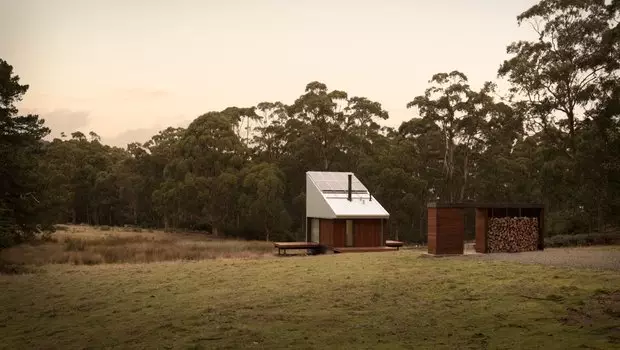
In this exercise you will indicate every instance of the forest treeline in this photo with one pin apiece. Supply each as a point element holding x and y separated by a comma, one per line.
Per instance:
<point>553,138</point>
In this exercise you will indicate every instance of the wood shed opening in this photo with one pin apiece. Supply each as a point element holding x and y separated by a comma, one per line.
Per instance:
<point>511,230</point>
<point>506,227</point>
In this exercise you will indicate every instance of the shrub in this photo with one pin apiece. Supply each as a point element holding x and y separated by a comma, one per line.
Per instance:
<point>583,239</point>
<point>75,245</point>
<point>15,269</point>
<point>48,236</point>
<point>89,258</point>
<point>105,228</point>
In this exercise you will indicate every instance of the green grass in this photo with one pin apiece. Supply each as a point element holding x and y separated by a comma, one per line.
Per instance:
<point>349,301</point>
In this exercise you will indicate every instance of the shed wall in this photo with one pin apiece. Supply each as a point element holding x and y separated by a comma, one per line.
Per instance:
<point>481,230</point>
<point>432,230</point>
<point>450,231</point>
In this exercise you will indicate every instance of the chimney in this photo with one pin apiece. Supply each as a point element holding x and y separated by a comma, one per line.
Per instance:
<point>349,190</point>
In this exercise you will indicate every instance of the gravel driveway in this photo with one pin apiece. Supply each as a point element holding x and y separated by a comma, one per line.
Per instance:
<point>585,257</point>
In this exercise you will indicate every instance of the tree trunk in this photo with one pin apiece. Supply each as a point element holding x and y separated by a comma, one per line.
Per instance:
<point>247,132</point>
<point>571,126</point>
<point>215,231</point>
<point>177,215</point>
<point>600,219</point>
<point>135,214</point>
<point>422,215</point>
<point>465,175</point>
<point>451,169</point>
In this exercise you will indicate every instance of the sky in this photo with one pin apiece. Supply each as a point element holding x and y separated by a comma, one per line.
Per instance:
<point>126,69</point>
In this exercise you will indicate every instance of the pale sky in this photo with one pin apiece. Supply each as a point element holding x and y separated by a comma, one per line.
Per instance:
<point>128,68</point>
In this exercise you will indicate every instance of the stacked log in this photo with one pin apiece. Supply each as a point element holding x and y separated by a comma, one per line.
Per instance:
<point>516,234</point>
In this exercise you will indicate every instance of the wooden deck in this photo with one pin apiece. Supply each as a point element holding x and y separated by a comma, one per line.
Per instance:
<point>318,248</point>
<point>283,246</point>
<point>364,249</point>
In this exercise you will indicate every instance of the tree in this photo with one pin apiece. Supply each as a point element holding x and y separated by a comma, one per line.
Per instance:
<point>21,213</point>
<point>201,177</point>
<point>459,112</point>
<point>264,188</point>
<point>323,127</point>
<point>562,71</point>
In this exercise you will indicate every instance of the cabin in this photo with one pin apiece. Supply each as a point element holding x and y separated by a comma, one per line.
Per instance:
<point>342,213</point>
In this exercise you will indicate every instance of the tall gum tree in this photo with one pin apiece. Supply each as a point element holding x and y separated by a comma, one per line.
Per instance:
<point>21,187</point>
<point>562,70</point>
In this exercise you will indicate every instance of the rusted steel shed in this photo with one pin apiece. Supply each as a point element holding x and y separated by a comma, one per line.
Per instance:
<point>446,228</point>
<point>446,224</point>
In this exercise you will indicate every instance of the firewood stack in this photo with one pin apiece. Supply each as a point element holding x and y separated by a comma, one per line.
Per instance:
<point>511,235</point>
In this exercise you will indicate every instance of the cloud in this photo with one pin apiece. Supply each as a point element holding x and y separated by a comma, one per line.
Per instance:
<point>62,120</point>
<point>140,135</point>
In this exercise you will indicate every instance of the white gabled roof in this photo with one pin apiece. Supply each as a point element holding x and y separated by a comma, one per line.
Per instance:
<point>327,197</point>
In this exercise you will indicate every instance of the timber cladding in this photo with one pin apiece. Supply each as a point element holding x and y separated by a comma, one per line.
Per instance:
<point>367,233</point>
<point>446,230</point>
<point>432,230</point>
<point>332,232</point>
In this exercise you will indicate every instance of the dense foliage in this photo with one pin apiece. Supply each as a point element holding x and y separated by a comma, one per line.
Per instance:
<point>22,210</point>
<point>554,139</point>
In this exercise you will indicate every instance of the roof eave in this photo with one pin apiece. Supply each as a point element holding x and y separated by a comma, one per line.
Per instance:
<point>380,216</point>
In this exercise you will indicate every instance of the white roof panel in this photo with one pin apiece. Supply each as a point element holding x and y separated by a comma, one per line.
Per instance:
<point>327,197</point>
<point>357,208</point>
<point>336,181</point>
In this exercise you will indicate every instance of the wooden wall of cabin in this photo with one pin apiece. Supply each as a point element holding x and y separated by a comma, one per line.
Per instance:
<point>367,233</point>
<point>332,232</point>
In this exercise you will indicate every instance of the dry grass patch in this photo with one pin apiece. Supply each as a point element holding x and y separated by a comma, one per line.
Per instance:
<point>81,245</point>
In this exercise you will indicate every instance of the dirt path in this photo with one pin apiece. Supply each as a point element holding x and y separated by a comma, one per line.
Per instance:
<point>607,258</point>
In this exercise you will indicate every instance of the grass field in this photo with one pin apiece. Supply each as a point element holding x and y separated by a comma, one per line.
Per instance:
<point>396,300</point>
